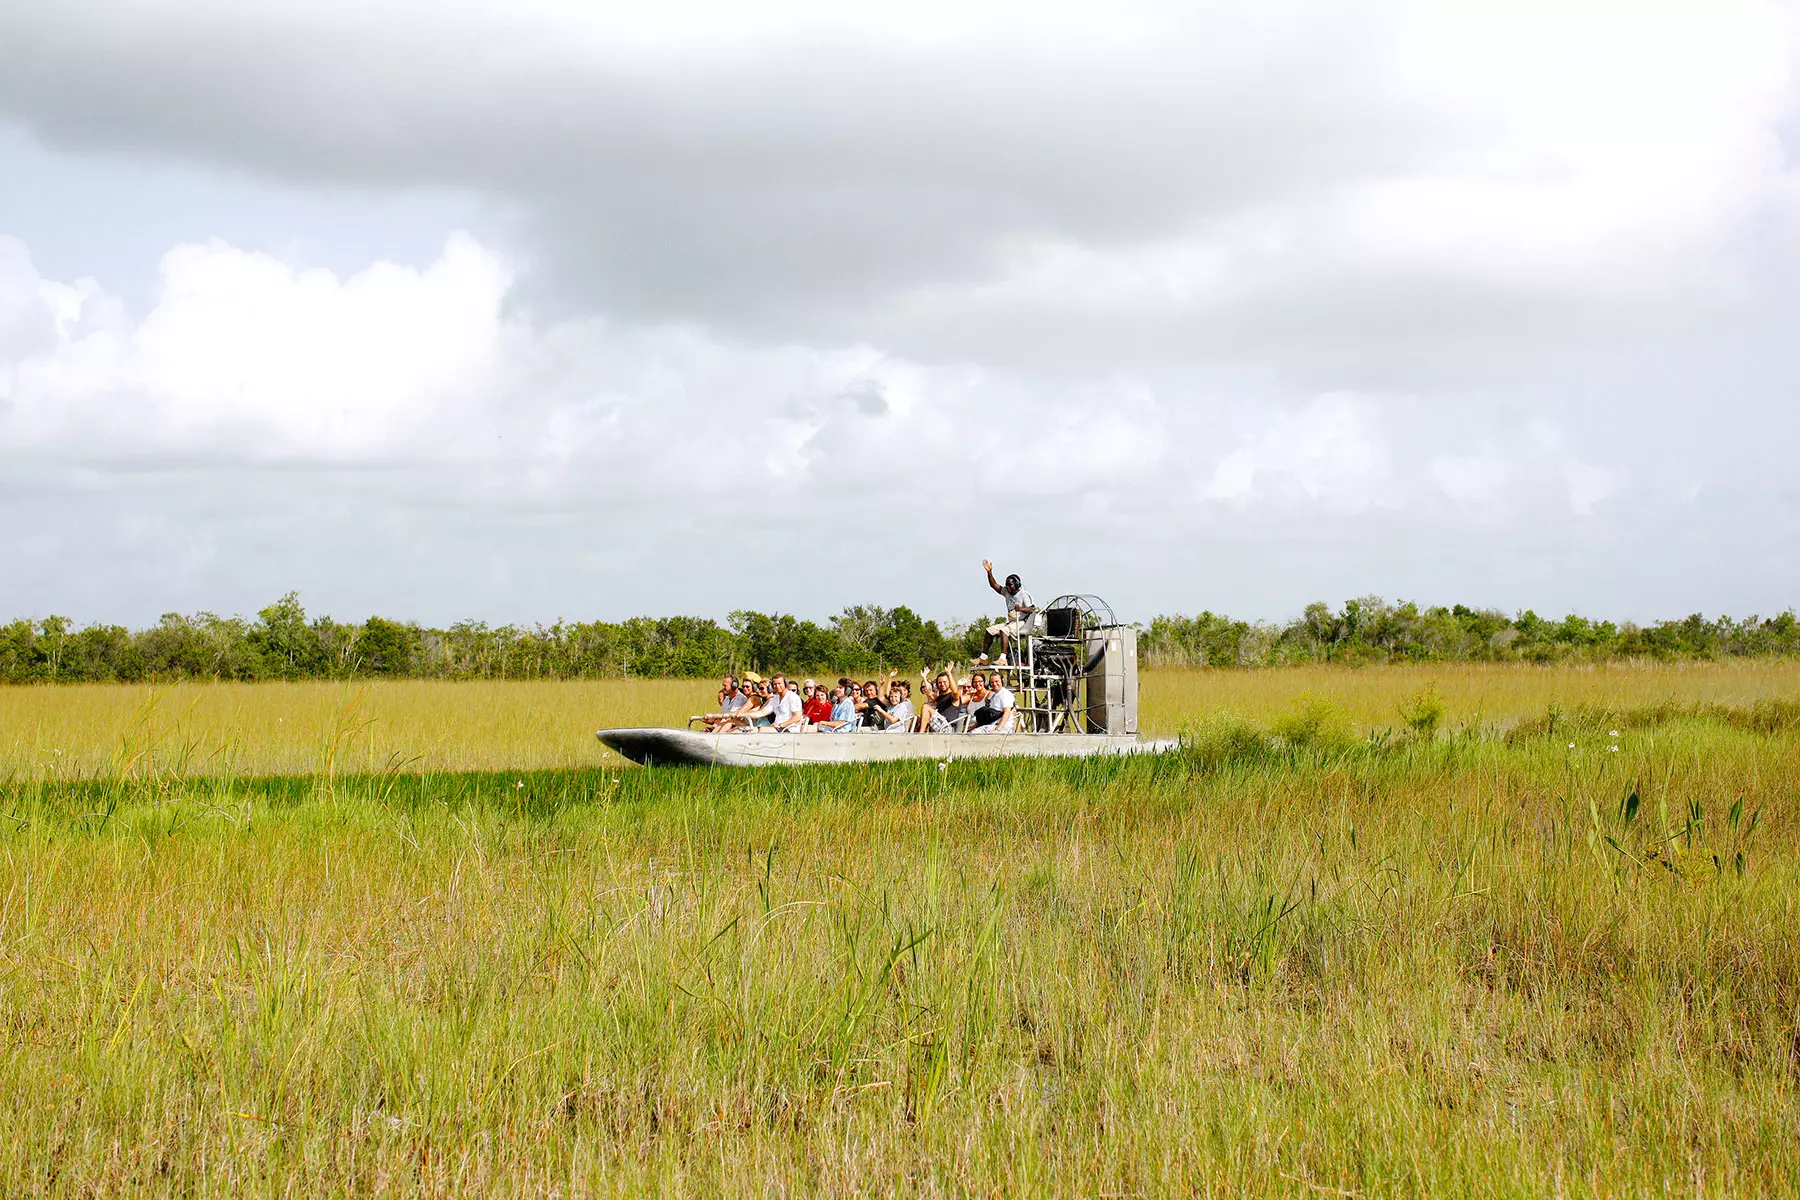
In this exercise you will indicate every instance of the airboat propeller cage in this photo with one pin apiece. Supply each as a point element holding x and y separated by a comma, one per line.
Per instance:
<point>1080,669</point>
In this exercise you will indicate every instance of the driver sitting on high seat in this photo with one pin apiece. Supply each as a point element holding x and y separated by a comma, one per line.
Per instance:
<point>1021,611</point>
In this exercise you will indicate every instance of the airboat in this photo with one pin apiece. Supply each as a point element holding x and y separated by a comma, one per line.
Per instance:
<point>1073,675</point>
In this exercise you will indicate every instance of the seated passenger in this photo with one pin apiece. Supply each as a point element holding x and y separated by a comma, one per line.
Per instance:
<point>843,713</point>
<point>945,712</point>
<point>780,712</point>
<point>732,700</point>
<point>872,707</point>
<point>927,701</point>
<point>975,697</point>
<point>785,712</point>
<point>900,715</point>
<point>999,711</point>
<point>892,711</point>
<point>814,703</point>
<point>749,714</point>
<point>1000,696</point>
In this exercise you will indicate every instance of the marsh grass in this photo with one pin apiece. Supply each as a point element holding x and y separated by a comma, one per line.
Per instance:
<point>376,726</point>
<point>324,728</point>
<point>1323,949</point>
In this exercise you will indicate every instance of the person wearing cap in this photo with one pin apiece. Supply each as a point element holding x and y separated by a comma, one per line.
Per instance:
<point>1021,611</point>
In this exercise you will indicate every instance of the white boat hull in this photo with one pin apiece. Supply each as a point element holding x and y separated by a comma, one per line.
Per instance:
<point>662,747</point>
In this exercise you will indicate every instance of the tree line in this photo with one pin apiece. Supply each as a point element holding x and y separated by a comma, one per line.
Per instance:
<point>1372,630</point>
<point>284,642</point>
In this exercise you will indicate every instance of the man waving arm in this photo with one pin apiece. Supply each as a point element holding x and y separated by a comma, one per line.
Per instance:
<point>988,566</point>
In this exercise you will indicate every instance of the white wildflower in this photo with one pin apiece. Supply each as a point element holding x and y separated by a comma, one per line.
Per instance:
<point>1614,749</point>
<point>1612,733</point>
<point>520,785</point>
<point>1571,745</point>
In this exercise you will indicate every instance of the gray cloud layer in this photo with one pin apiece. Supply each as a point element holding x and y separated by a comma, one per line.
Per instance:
<point>1462,302</point>
<point>767,182</point>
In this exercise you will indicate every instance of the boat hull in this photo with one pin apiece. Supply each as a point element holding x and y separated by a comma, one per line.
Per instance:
<point>685,747</point>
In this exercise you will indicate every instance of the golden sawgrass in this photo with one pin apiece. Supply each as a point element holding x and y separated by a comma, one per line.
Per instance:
<point>284,728</point>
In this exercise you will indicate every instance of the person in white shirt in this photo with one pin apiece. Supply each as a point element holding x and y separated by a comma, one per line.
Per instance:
<point>1021,611</point>
<point>783,707</point>
<point>732,701</point>
<point>999,712</point>
<point>900,714</point>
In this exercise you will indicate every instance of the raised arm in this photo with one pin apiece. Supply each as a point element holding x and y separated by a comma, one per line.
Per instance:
<point>992,582</point>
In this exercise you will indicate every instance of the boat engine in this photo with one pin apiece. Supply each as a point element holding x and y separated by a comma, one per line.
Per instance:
<point>1076,670</point>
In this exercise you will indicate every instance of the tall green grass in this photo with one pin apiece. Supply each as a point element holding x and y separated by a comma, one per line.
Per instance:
<point>1289,959</point>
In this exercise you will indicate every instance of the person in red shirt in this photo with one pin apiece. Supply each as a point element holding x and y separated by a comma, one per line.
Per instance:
<point>815,704</point>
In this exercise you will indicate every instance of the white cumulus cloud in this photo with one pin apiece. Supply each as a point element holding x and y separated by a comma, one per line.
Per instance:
<point>1248,304</point>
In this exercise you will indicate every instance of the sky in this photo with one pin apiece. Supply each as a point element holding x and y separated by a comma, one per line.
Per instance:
<point>553,309</point>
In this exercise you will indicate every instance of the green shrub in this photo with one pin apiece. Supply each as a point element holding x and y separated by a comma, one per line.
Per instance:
<point>1423,713</point>
<point>1225,739</point>
<point>1315,724</point>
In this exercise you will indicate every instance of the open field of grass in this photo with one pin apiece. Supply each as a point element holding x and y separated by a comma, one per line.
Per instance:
<point>1311,964</point>
<point>285,728</point>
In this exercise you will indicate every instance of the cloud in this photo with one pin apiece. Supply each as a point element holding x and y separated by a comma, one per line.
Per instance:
<point>1472,479</point>
<point>260,404</point>
<point>245,352</point>
<point>247,359</point>
<point>989,183</point>
<point>443,405</point>
<point>792,306</point>
<point>1324,451</point>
